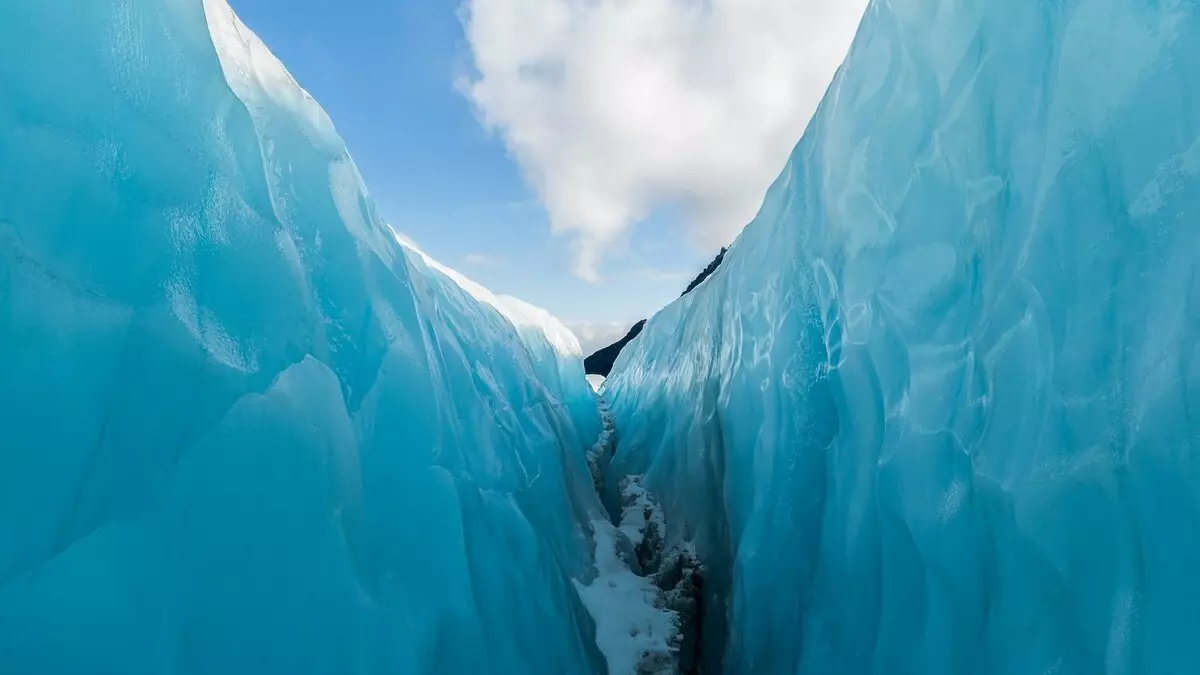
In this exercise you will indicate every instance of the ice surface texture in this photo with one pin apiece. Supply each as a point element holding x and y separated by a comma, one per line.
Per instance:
<point>938,411</point>
<point>242,430</point>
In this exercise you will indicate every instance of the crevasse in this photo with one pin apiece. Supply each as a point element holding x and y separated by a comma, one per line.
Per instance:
<point>932,414</point>
<point>936,411</point>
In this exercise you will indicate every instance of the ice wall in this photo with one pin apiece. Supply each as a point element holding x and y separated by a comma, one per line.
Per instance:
<point>242,430</point>
<point>936,412</point>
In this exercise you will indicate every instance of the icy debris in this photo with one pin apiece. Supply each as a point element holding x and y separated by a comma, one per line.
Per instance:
<point>633,630</point>
<point>680,577</point>
<point>642,521</point>
<point>677,572</point>
<point>602,450</point>
<point>639,585</point>
<point>633,597</point>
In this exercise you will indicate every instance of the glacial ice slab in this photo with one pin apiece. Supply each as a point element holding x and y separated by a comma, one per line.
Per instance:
<point>243,429</point>
<point>937,410</point>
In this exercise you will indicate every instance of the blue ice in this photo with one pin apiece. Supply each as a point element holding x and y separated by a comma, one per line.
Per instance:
<point>937,410</point>
<point>932,415</point>
<point>242,428</point>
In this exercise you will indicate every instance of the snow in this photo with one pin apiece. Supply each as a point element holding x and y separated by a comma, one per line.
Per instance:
<point>520,313</point>
<point>639,512</point>
<point>597,381</point>
<point>631,629</point>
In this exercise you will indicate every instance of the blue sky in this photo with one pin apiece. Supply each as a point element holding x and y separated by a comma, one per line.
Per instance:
<point>385,70</point>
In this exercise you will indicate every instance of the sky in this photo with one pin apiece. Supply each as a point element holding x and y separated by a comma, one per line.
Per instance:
<point>587,157</point>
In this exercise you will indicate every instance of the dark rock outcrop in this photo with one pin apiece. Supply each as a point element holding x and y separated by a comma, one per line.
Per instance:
<point>601,362</point>
<point>712,267</point>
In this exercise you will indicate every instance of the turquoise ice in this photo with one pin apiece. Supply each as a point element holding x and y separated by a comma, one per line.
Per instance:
<point>242,429</point>
<point>937,410</point>
<point>936,413</point>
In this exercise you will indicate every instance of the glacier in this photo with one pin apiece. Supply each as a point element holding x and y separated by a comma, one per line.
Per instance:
<point>931,414</point>
<point>935,412</point>
<point>243,429</point>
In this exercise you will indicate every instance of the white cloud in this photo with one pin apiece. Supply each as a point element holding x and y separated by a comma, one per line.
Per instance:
<point>593,336</point>
<point>615,107</point>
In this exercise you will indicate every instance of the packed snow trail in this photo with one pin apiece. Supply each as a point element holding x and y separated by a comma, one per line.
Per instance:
<point>646,598</point>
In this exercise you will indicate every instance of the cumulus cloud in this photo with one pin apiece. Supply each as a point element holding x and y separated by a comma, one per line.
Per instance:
<point>615,107</point>
<point>595,336</point>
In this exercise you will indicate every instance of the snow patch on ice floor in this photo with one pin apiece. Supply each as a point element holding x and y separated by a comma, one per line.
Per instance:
<point>601,452</point>
<point>641,516</point>
<point>631,630</point>
<point>596,381</point>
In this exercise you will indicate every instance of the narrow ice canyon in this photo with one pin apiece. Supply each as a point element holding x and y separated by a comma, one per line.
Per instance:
<point>936,412</point>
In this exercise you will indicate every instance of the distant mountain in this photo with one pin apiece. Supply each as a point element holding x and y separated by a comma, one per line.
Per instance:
<point>601,362</point>
<point>712,267</point>
<point>595,336</point>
